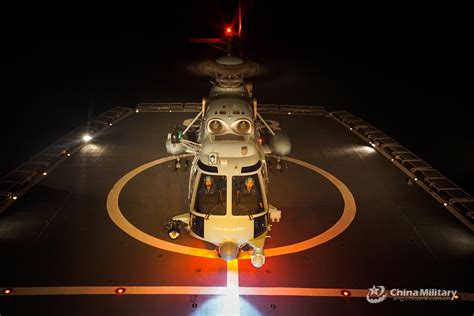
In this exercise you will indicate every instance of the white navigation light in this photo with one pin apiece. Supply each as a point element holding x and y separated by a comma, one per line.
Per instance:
<point>86,138</point>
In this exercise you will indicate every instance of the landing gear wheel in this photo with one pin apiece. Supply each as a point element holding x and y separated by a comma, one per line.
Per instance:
<point>258,260</point>
<point>184,165</point>
<point>174,229</point>
<point>270,165</point>
<point>278,166</point>
<point>284,166</point>
<point>178,163</point>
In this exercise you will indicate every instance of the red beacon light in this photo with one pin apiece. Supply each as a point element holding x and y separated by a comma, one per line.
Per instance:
<point>228,30</point>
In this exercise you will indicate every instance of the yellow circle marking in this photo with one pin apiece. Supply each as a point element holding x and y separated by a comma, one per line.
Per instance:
<point>119,219</point>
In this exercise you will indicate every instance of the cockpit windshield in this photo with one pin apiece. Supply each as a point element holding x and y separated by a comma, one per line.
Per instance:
<point>246,195</point>
<point>211,196</point>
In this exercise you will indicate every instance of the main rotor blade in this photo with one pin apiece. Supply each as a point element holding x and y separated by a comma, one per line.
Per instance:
<point>207,40</point>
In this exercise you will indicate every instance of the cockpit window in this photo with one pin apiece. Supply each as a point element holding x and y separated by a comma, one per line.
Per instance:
<point>246,195</point>
<point>211,197</point>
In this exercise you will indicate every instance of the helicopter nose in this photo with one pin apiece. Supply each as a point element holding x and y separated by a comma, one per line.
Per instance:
<point>228,250</point>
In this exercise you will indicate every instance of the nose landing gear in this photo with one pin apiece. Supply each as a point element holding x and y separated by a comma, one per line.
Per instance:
<point>258,258</point>
<point>180,164</point>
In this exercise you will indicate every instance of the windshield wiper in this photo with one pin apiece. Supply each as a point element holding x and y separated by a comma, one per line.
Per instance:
<point>247,210</point>
<point>208,214</point>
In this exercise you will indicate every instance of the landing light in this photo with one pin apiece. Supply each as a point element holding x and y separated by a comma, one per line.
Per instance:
<point>86,138</point>
<point>15,197</point>
<point>68,155</point>
<point>345,293</point>
<point>445,204</point>
<point>45,173</point>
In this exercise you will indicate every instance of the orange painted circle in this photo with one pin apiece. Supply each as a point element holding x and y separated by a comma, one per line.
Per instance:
<point>119,219</point>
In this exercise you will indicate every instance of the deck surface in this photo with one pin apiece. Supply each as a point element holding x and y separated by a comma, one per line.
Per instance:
<point>60,235</point>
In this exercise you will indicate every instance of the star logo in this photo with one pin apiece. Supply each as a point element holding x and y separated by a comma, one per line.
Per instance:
<point>374,290</point>
<point>376,294</point>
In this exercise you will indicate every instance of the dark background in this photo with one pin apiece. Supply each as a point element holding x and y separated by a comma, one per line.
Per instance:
<point>406,70</point>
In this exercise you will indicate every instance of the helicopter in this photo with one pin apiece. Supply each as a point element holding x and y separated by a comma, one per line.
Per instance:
<point>228,141</point>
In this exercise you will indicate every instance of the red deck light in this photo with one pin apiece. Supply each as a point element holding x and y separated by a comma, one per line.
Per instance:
<point>120,290</point>
<point>7,291</point>
<point>345,293</point>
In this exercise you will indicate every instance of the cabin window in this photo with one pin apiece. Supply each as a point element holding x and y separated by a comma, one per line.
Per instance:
<point>259,225</point>
<point>211,195</point>
<point>251,168</point>
<point>246,195</point>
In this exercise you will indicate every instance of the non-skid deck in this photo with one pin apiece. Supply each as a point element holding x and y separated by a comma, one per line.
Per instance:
<point>61,253</point>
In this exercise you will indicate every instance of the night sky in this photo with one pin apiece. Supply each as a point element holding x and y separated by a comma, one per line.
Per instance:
<point>406,70</point>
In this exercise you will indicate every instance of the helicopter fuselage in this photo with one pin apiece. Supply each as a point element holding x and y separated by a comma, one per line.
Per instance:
<point>228,183</point>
